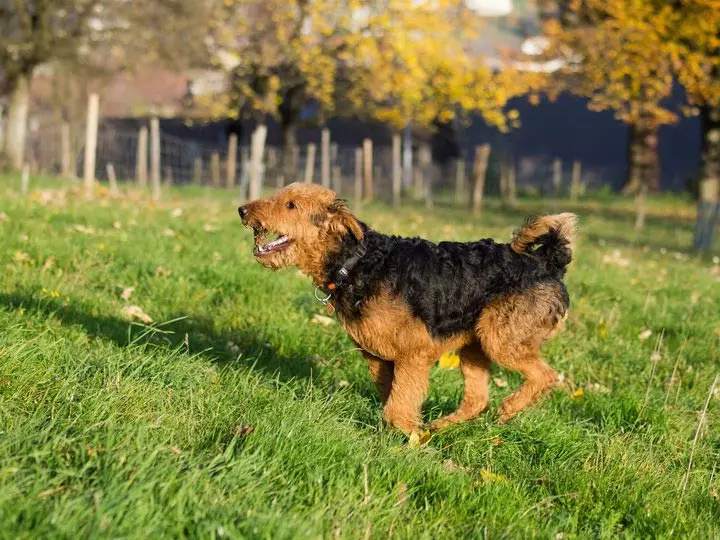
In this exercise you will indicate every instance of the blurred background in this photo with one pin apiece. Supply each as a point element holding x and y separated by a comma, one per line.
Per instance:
<point>433,100</point>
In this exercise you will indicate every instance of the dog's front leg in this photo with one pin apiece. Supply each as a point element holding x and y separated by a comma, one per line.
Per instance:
<point>382,373</point>
<point>409,388</point>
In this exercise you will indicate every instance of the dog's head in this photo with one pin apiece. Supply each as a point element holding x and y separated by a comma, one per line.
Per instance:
<point>299,226</point>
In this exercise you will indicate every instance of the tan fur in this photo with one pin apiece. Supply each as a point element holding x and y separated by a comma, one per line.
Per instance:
<point>565,225</point>
<point>397,346</point>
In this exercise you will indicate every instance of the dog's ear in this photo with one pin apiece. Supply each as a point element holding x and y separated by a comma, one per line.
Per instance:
<point>341,221</point>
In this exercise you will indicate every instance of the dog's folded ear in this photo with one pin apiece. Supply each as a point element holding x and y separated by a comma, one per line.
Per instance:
<point>341,221</point>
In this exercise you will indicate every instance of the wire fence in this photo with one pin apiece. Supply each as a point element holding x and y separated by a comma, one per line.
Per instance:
<point>185,162</point>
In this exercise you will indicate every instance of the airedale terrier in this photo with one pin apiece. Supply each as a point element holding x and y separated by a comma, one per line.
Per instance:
<point>407,301</point>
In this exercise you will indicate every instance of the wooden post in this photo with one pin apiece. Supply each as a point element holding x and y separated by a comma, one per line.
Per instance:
<point>482,154</point>
<point>215,169</point>
<point>112,179</point>
<point>91,132</point>
<point>272,163</point>
<point>459,180</point>
<point>256,165</point>
<point>141,166</point>
<point>357,192</point>
<point>396,170</point>
<point>510,186</point>
<point>155,157</point>
<point>25,179</point>
<point>168,176</point>
<point>65,150</point>
<point>325,158</point>
<point>576,181</point>
<point>232,160</point>
<point>336,180</point>
<point>197,171</point>
<point>425,174</point>
<point>557,176</point>
<point>310,163</point>
<point>368,169</point>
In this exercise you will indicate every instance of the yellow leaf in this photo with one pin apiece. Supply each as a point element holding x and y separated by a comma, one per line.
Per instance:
<point>418,439</point>
<point>449,360</point>
<point>491,477</point>
<point>577,394</point>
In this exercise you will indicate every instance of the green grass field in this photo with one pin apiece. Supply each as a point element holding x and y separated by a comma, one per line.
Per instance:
<point>234,414</point>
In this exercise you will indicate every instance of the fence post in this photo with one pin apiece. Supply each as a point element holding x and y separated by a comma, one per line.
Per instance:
<point>197,171</point>
<point>425,178</point>
<point>232,160</point>
<point>271,168</point>
<point>91,133</point>
<point>141,165</point>
<point>25,179</point>
<point>396,170</point>
<point>112,179</point>
<point>325,158</point>
<point>65,150</point>
<point>310,163</point>
<point>368,169</point>
<point>257,151</point>
<point>336,180</point>
<point>482,154</point>
<point>576,181</point>
<point>459,180</point>
<point>357,191</point>
<point>215,169</point>
<point>557,176</point>
<point>155,157</point>
<point>168,176</point>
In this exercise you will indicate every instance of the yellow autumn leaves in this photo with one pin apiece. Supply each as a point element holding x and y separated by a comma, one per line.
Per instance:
<point>399,61</point>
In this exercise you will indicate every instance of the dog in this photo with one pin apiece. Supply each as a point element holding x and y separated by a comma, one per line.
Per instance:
<point>406,301</point>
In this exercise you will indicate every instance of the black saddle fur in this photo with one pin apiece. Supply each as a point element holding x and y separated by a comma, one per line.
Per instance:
<point>448,284</point>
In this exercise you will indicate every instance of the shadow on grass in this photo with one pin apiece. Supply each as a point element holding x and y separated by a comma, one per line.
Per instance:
<point>196,334</point>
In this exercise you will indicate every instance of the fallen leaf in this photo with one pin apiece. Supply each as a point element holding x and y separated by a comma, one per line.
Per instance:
<point>500,383</point>
<point>642,336</point>
<point>48,492</point>
<point>450,466</point>
<point>49,262</point>
<point>449,360</point>
<point>117,225</point>
<point>577,394</point>
<point>402,492</point>
<point>169,233</point>
<point>208,228</point>
<point>418,439</point>
<point>83,229</point>
<point>176,213</point>
<point>244,430</point>
<point>599,388</point>
<point>136,312</point>
<point>322,319</point>
<point>161,271</point>
<point>21,256</point>
<point>175,450</point>
<point>655,357</point>
<point>489,476</point>
<point>127,293</point>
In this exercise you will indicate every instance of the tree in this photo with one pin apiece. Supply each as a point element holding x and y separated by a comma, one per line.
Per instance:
<point>618,55</point>
<point>696,55</point>
<point>77,33</point>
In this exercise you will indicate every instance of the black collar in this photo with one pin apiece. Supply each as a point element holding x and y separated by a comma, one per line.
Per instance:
<point>346,268</point>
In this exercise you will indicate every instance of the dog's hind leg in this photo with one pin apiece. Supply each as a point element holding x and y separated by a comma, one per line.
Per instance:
<point>382,373</point>
<point>512,330</point>
<point>475,367</point>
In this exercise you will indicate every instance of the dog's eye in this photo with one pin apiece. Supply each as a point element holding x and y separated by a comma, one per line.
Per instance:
<point>290,205</point>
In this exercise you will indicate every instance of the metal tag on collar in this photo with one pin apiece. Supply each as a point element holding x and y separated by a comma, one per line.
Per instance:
<point>319,298</point>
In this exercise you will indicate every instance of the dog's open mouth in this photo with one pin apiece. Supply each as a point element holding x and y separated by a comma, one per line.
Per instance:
<point>263,246</point>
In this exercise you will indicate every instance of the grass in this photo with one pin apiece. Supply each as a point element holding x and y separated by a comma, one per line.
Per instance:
<point>234,415</point>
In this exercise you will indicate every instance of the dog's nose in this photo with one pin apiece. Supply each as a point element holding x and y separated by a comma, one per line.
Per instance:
<point>243,211</point>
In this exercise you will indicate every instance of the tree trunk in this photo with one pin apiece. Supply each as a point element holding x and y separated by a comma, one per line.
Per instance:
<point>15,138</point>
<point>708,213</point>
<point>644,161</point>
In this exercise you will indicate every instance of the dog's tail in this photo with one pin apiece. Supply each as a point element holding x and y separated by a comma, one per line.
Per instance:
<point>549,237</point>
